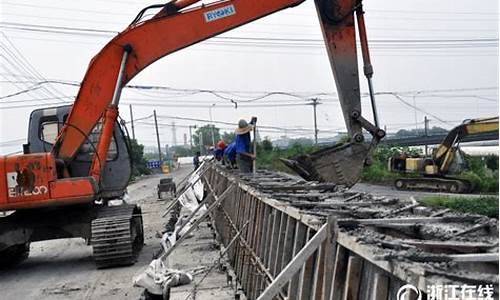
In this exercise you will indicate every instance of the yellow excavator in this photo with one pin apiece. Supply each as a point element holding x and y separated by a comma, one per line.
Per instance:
<point>435,172</point>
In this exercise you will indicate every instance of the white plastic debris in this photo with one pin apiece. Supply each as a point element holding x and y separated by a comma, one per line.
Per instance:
<point>157,278</point>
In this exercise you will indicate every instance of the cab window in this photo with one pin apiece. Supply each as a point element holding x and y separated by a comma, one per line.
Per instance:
<point>90,145</point>
<point>49,131</point>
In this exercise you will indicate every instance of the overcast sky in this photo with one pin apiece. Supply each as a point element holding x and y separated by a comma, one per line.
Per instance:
<point>441,56</point>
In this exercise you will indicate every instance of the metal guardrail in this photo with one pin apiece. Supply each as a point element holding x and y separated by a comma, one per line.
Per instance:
<point>286,255</point>
<point>289,239</point>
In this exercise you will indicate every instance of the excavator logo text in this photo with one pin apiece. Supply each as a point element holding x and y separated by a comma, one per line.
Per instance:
<point>22,184</point>
<point>220,13</point>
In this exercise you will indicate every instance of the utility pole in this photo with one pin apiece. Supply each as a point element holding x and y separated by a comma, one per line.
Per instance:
<point>212,123</point>
<point>157,136</point>
<point>132,121</point>
<point>190,138</point>
<point>174,134</point>
<point>314,104</point>
<point>426,128</point>
<point>415,111</point>
<point>201,142</point>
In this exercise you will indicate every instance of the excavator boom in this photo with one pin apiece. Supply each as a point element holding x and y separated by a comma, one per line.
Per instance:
<point>169,31</point>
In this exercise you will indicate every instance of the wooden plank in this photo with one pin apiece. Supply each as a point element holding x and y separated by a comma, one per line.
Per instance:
<point>329,262</point>
<point>440,212</point>
<point>306,195</point>
<point>312,204</point>
<point>339,273</point>
<point>295,264</point>
<point>261,249</point>
<point>237,246</point>
<point>427,220</point>
<point>245,261</point>
<point>353,276</point>
<point>456,245</point>
<point>317,285</point>
<point>269,232</point>
<point>475,257</point>
<point>243,252</point>
<point>299,242</point>
<point>366,281</point>
<point>281,245</point>
<point>472,229</point>
<point>399,210</point>
<point>256,243</point>
<point>355,196</point>
<point>307,273</point>
<point>273,245</point>
<point>296,187</point>
<point>380,287</point>
<point>288,246</point>
<point>249,267</point>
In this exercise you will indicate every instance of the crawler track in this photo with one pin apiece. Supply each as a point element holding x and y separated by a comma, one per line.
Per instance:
<point>117,235</point>
<point>449,185</point>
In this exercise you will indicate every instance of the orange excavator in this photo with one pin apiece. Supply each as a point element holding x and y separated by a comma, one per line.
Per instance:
<point>71,179</point>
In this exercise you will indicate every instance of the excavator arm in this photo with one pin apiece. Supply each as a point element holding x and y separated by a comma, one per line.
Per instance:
<point>444,154</point>
<point>176,27</point>
<point>170,30</point>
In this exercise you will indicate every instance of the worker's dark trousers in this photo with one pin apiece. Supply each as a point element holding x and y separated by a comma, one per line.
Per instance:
<point>244,163</point>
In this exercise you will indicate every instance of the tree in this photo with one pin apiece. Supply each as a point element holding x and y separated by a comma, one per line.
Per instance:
<point>137,158</point>
<point>402,133</point>
<point>180,151</point>
<point>267,145</point>
<point>204,134</point>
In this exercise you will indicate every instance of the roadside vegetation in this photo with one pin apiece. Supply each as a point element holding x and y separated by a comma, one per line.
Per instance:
<point>268,157</point>
<point>486,206</point>
<point>378,171</point>
<point>138,160</point>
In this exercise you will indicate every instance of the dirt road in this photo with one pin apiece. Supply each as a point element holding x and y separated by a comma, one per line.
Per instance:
<point>63,269</point>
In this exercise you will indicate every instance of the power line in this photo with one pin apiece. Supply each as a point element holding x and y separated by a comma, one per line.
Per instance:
<point>21,92</point>
<point>264,40</point>
<point>65,9</point>
<point>22,61</point>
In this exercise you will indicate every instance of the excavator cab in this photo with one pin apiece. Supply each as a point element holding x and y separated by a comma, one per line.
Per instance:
<point>44,127</point>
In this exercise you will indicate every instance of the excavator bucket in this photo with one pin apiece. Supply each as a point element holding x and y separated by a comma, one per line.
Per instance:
<point>341,165</point>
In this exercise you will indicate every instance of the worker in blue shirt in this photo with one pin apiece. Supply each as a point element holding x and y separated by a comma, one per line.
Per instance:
<point>230,155</point>
<point>196,160</point>
<point>244,158</point>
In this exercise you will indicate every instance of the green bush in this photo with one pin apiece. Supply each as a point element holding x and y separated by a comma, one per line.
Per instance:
<point>487,206</point>
<point>491,162</point>
<point>268,157</point>
<point>378,172</point>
